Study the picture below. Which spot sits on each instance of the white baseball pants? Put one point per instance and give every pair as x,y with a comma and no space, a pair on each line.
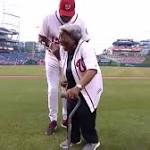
53,76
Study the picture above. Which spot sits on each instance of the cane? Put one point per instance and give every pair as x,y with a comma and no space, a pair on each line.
70,120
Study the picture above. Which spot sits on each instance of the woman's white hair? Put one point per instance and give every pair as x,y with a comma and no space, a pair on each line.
73,30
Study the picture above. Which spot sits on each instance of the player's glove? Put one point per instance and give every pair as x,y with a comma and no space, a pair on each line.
52,47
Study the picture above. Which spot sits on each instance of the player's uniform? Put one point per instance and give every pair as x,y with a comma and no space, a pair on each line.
50,29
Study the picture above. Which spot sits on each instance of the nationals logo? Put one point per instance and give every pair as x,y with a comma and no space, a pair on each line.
81,65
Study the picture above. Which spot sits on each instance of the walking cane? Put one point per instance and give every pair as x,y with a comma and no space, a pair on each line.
70,120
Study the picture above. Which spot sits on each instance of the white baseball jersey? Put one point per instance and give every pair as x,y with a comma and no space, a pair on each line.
50,28
84,58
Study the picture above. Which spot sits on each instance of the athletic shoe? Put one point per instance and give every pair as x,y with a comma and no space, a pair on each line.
51,128
91,146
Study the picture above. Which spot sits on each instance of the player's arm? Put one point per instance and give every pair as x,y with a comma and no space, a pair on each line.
43,34
43,40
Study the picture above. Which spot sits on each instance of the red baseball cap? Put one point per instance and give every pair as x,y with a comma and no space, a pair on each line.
67,8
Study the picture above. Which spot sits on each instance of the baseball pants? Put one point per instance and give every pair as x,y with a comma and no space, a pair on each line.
53,76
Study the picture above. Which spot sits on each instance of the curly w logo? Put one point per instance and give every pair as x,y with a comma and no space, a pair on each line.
81,65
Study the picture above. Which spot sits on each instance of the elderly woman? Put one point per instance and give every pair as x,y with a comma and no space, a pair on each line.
83,76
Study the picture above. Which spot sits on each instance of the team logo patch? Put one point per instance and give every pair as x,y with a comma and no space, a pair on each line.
81,65
67,7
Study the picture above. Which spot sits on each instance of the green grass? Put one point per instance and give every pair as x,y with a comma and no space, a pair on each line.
126,71
106,71
122,117
22,70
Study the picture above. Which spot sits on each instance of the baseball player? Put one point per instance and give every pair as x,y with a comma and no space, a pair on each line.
50,31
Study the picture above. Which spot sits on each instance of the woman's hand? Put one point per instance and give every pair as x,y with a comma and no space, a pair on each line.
64,83
73,93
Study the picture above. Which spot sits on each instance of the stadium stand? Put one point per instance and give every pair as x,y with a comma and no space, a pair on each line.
21,58
125,51
145,44
7,43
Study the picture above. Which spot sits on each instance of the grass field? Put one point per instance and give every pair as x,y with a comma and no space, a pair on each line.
123,121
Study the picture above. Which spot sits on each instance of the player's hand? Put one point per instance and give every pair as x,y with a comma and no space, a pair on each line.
73,93
43,40
54,48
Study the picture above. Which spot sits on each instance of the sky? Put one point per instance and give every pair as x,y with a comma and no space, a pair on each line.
106,20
